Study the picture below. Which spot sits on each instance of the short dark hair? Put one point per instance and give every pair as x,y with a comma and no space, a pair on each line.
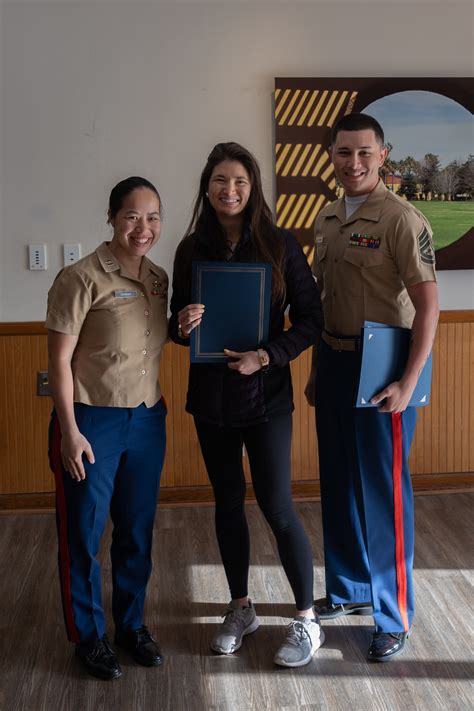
124,188
358,122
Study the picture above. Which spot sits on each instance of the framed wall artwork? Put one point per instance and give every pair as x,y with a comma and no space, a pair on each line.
429,130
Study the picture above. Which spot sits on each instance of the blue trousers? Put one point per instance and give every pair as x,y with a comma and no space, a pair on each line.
129,448
366,495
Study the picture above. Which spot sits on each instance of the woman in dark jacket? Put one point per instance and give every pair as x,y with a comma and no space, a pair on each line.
249,400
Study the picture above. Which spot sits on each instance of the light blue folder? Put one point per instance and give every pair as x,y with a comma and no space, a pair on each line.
384,357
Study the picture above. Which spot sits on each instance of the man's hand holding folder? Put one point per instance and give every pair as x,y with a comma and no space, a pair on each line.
397,395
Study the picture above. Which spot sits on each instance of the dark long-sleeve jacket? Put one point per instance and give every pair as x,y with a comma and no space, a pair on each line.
220,395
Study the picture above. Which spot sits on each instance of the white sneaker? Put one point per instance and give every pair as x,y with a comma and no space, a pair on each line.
304,637
238,621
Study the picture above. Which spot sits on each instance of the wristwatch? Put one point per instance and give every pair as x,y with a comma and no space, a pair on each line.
263,357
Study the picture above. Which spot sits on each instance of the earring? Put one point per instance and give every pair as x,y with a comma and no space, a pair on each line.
207,194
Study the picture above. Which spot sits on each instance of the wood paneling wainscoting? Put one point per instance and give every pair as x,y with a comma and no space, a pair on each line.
442,456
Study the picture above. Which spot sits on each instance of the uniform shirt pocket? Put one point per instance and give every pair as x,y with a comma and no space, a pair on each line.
359,261
363,257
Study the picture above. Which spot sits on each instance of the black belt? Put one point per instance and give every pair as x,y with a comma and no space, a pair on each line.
342,343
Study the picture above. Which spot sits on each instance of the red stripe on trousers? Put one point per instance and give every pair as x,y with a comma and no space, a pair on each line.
64,560
398,517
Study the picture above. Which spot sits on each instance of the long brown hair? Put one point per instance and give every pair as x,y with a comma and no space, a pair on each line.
267,244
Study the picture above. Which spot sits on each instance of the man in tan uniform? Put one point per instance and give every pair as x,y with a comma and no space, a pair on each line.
374,261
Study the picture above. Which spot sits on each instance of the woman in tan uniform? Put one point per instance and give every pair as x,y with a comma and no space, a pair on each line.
107,323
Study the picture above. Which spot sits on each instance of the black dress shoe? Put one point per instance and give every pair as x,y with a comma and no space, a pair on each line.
141,645
387,645
327,611
99,659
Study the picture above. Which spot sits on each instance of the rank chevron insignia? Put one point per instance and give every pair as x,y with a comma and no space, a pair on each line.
425,247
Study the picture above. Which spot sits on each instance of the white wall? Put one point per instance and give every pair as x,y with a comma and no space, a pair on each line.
94,91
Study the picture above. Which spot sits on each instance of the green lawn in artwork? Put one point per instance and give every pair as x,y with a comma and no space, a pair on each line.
449,220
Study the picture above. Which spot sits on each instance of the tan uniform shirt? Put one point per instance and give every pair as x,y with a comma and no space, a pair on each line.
121,323
364,264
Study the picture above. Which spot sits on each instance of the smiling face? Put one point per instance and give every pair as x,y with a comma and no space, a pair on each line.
229,190
136,225
357,157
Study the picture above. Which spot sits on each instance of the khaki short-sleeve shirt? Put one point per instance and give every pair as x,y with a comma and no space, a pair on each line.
121,324
364,264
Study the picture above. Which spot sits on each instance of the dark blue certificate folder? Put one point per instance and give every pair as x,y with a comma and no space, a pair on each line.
237,300
384,357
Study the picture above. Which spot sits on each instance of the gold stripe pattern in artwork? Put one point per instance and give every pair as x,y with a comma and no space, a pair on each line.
305,107
298,211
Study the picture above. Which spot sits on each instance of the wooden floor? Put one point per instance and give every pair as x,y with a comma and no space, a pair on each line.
187,594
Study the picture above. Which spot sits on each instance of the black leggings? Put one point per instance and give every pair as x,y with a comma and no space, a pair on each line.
268,447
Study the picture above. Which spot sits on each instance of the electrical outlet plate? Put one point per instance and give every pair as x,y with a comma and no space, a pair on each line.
71,253
37,257
42,383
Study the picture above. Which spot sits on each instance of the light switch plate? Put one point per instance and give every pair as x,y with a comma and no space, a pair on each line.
37,257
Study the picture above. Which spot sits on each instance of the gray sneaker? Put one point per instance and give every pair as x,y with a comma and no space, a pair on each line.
303,638
238,621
